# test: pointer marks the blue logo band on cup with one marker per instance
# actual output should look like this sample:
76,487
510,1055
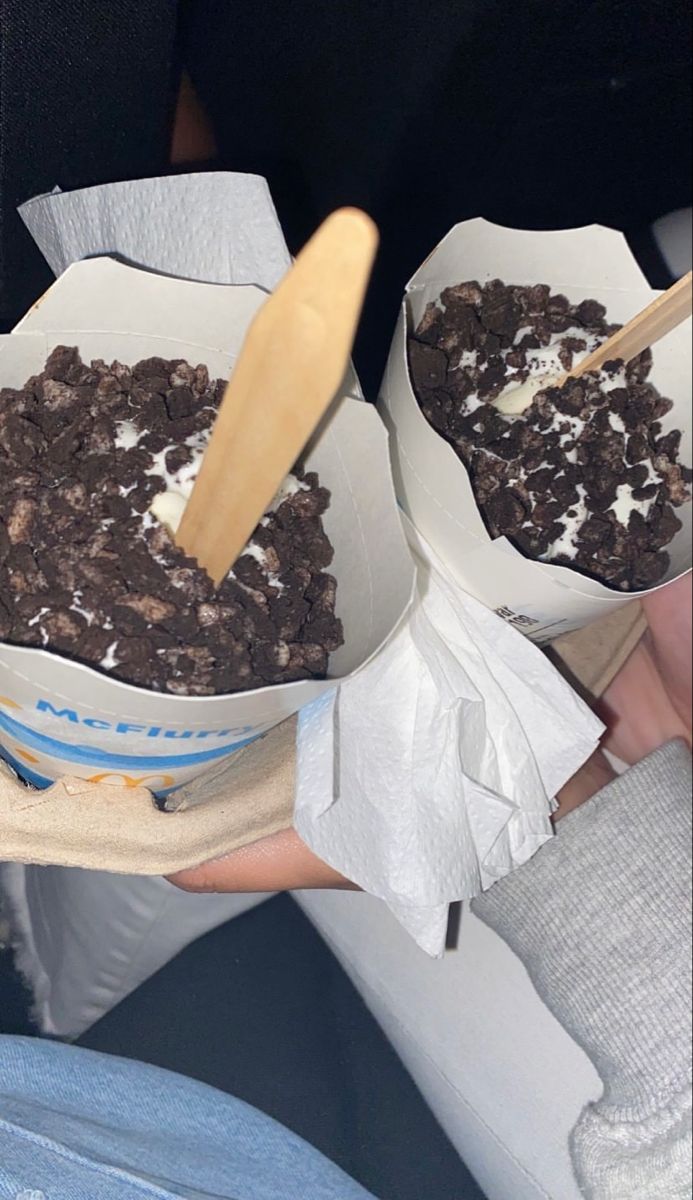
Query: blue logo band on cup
92,756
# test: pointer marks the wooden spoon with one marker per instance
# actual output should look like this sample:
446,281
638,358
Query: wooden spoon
653,323
293,359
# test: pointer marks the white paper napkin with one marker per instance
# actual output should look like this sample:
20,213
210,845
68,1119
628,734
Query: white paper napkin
432,773
218,227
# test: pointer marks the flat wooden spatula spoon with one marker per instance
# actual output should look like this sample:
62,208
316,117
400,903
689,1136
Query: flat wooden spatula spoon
293,359
653,323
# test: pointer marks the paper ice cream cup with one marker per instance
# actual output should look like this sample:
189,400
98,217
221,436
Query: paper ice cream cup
59,717
432,484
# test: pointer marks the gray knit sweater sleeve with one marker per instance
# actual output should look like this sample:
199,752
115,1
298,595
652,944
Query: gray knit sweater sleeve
601,918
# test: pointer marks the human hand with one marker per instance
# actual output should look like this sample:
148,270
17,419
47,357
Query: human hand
648,703
278,863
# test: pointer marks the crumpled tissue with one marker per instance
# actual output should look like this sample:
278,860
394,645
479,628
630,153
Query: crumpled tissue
433,772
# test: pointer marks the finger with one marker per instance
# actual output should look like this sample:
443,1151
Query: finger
594,775
281,862
669,614
192,139
637,710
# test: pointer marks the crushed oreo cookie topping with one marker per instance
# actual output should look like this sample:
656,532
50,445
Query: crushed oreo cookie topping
88,572
585,477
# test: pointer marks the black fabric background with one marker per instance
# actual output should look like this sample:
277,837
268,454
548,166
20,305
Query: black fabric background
85,98
533,113
540,113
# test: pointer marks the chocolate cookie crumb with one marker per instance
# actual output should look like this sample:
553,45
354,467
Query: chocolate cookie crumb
88,572
584,477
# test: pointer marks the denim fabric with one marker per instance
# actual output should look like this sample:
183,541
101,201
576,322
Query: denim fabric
77,1125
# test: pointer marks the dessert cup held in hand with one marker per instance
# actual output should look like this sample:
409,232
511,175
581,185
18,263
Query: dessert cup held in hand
59,717
542,599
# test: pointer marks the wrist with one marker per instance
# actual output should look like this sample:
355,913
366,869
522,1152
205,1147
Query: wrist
590,779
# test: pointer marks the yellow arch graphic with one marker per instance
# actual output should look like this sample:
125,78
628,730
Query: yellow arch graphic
26,755
130,781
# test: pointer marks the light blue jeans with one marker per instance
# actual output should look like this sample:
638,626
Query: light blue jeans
76,1125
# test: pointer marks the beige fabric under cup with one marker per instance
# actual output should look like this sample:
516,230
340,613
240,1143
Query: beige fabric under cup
591,657
79,824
